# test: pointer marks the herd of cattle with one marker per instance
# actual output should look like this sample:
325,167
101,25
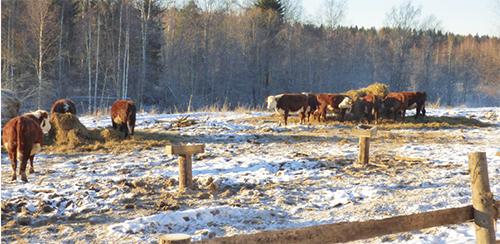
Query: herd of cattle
22,136
369,107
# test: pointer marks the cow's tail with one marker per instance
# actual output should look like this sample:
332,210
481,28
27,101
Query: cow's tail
20,140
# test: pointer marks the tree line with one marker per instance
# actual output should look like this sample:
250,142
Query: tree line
205,52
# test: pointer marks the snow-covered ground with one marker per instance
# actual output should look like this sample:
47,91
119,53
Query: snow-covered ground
254,176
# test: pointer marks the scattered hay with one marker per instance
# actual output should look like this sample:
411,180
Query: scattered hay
377,89
68,130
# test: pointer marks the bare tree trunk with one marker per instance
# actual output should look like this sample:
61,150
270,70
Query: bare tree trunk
59,59
144,34
97,61
118,61
89,57
40,60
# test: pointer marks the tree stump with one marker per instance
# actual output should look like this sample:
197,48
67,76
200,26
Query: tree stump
482,198
185,153
175,239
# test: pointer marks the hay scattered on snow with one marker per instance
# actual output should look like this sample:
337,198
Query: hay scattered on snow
377,89
68,130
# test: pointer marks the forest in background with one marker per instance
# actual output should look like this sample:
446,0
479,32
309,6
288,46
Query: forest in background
170,55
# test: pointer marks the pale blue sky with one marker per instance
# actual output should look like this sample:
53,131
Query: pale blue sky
458,16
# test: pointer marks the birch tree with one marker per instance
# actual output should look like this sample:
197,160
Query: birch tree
41,25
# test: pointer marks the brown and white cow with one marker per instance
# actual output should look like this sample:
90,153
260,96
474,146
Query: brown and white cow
123,114
290,102
416,100
22,137
366,108
63,106
339,103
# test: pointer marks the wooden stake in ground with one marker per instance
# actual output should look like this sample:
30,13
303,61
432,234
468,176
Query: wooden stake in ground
365,133
185,153
482,198
175,239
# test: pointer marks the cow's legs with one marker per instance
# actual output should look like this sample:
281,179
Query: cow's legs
22,168
32,169
13,162
342,114
114,124
303,117
286,117
124,129
423,110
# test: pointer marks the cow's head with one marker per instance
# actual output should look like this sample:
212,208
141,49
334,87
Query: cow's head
43,117
346,103
272,102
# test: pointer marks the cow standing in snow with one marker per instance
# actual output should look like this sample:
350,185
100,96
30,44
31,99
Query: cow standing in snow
291,102
123,114
22,137
334,102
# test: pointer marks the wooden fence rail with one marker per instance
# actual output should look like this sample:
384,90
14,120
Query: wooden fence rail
484,211
351,231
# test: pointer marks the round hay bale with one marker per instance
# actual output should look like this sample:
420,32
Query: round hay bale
377,89
68,130
10,105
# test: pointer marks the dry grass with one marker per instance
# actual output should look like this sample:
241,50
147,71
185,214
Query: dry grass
428,122
141,140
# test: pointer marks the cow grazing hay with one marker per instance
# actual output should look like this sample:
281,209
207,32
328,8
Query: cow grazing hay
10,105
377,89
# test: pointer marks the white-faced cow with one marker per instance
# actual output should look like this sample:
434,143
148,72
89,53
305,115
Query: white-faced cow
337,103
286,103
123,116
22,137
63,106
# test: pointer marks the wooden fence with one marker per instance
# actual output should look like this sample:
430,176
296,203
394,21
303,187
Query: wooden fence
484,212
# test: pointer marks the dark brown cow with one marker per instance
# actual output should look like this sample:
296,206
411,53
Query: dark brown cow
22,137
333,102
286,103
313,104
63,106
394,103
367,108
123,116
416,100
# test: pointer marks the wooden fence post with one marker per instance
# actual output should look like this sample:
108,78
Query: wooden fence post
482,198
364,150
185,153
365,133
175,239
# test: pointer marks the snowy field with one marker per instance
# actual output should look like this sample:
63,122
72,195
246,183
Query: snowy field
254,176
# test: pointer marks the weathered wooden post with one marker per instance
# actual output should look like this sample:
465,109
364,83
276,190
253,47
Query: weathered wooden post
175,239
482,198
364,132
185,153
